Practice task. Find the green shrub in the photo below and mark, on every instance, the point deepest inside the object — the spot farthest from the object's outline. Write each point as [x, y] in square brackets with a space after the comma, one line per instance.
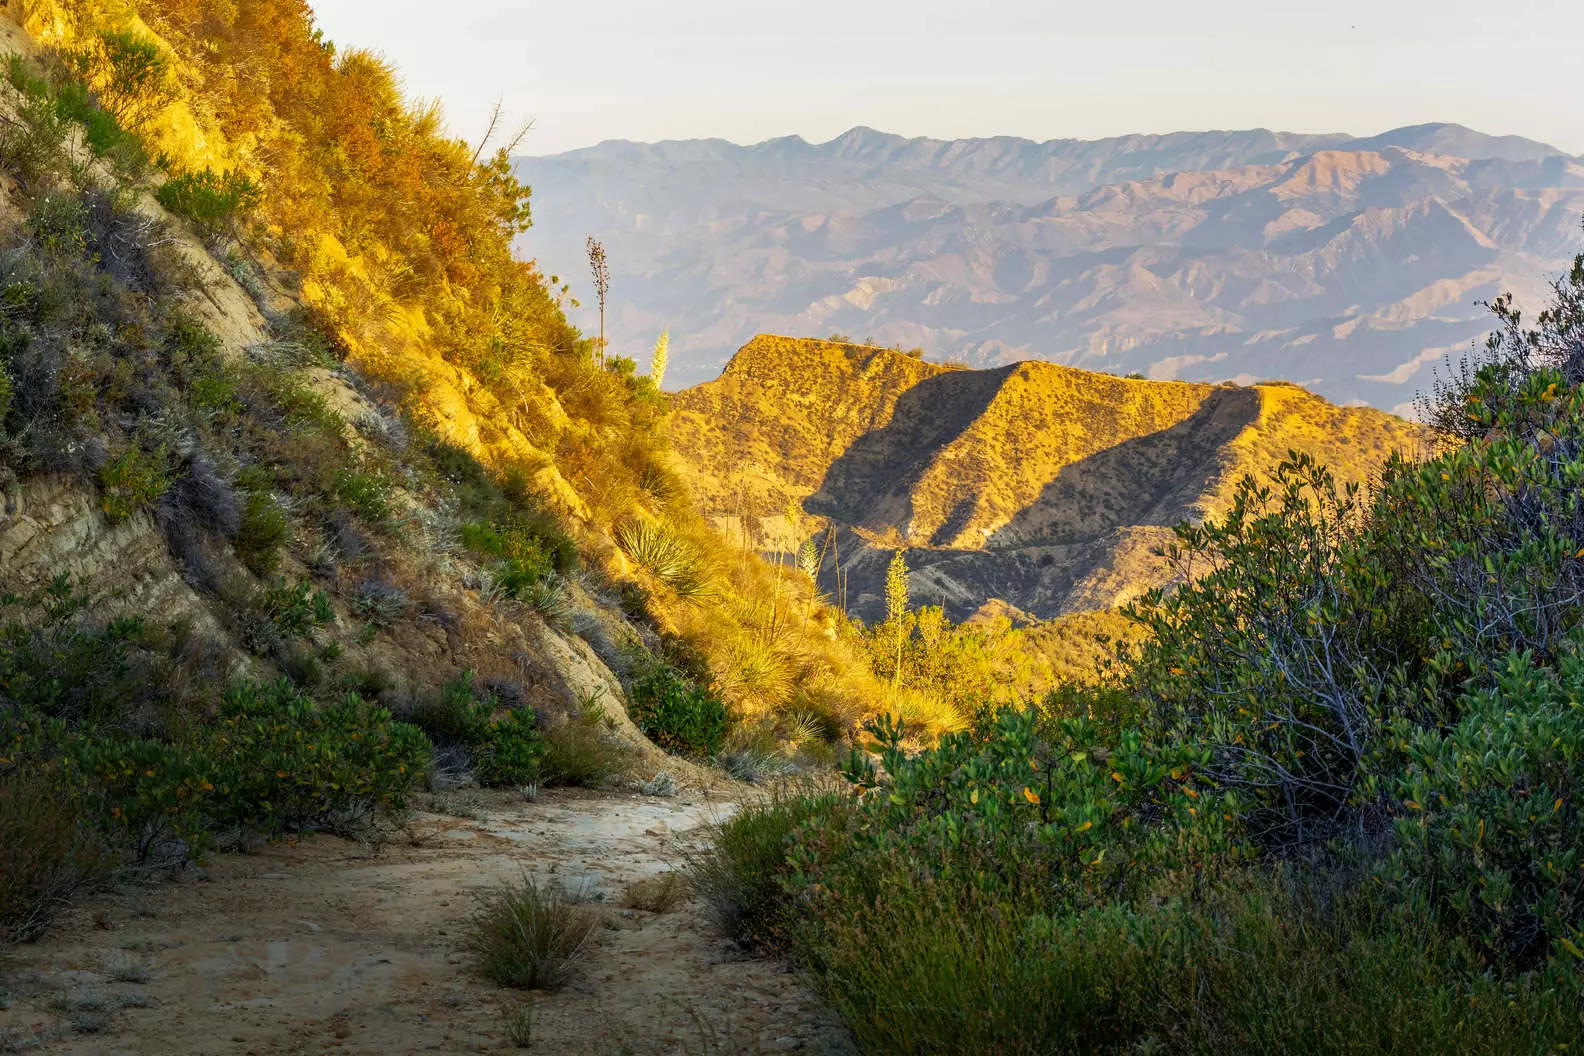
[296, 610]
[507, 751]
[530, 937]
[55, 663]
[261, 533]
[366, 493]
[59, 223]
[7, 391]
[742, 872]
[523, 561]
[66, 99]
[211, 200]
[282, 764]
[457, 716]
[136, 80]
[580, 752]
[131, 480]
[101, 130]
[272, 762]
[1494, 825]
[678, 715]
[513, 753]
[933, 966]
[46, 851]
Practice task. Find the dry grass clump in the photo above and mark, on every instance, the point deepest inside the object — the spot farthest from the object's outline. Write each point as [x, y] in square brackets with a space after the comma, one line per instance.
[660, 893]
[518, 1023]
[44, 855]
[530, 937]
[581, 752]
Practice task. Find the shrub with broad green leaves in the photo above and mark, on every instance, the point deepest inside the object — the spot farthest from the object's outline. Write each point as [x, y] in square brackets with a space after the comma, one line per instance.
[504, 751]
[1492, 826]
[677, 714]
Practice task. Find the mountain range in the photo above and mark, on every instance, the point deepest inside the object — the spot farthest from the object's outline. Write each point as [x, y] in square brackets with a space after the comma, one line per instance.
[1032, 490]
[1350, 265]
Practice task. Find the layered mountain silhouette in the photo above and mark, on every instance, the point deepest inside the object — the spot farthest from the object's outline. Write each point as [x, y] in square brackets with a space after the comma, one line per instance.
[1352, 266]
[1031, 485]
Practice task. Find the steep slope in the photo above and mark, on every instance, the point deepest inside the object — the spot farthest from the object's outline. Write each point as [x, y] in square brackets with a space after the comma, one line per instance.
[1352, 266]
[380, 247]
[1036, 484]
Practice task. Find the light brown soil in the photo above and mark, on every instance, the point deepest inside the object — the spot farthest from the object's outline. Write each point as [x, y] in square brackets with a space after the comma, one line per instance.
[323, 946]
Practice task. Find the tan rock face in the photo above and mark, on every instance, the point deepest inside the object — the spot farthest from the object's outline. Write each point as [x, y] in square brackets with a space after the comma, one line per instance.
[1039, 485]
[48, 527]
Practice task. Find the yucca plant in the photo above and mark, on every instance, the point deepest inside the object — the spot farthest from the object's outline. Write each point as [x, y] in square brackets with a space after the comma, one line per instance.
[661, 551]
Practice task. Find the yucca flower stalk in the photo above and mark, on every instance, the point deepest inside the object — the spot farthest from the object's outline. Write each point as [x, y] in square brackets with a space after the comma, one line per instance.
[662, 353]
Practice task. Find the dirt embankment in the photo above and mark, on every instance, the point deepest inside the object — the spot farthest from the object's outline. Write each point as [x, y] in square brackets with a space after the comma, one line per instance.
[322, 946]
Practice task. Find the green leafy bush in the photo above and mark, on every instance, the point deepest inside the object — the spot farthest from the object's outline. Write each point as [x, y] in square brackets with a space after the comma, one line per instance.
[281, 764]
[1493, 830]
[523, 560]
[260, 534]
[296, 610]
[54, 663]
[132, 479]
[1064, 808]
[457, 715]
[678, 715]
[211, 200]
[505, 751]
[272, 762]
[514, 752]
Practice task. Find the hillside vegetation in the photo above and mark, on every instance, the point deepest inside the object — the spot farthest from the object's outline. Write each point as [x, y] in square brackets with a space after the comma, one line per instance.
[1040, 485]
[313, 500]
[1329, 803]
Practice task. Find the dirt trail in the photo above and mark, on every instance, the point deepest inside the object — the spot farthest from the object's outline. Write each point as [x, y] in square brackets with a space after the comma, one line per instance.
[322, 947]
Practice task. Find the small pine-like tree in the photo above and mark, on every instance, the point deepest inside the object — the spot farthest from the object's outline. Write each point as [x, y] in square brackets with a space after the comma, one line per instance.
[662, 354]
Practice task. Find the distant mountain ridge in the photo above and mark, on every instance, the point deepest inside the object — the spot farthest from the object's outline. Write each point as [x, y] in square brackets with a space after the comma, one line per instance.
[1034, 485]
[1349, 264]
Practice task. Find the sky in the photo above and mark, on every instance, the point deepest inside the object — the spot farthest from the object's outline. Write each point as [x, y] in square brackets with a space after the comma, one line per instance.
[752, 70]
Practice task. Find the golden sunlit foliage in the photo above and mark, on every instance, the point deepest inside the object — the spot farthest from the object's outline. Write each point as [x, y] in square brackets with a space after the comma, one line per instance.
[396, 238]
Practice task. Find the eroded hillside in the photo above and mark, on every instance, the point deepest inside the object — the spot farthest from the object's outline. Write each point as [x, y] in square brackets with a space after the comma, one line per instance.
[1040, 485]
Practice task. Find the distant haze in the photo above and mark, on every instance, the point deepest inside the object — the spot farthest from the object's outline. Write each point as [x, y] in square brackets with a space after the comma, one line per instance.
[650, 70]
[1354, 266]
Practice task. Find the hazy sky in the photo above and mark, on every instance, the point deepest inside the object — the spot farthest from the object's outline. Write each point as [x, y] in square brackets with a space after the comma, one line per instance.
[749, 70]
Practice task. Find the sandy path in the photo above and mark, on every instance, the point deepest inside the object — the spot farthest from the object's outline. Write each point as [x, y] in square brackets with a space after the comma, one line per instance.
[322, 947]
